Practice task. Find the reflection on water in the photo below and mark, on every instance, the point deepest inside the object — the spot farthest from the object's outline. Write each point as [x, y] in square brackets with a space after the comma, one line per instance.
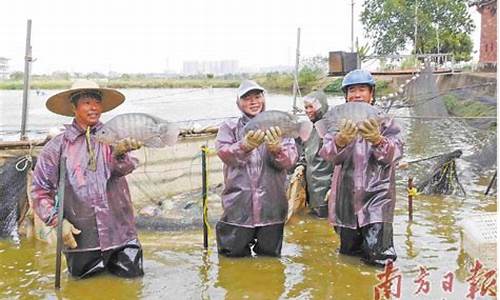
[310, 268]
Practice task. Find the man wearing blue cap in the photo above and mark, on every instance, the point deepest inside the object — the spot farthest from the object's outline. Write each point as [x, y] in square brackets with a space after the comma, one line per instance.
[362, 197]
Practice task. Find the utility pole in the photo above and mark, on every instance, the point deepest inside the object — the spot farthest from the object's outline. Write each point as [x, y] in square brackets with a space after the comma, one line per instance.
[352, 25]
[27, 78]
[296, 74]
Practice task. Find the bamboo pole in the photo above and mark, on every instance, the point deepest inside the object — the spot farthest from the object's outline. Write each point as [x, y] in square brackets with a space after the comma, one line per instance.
[296, 73]
[27, 81]
[60, 216]
[204, 191]
[410, 199]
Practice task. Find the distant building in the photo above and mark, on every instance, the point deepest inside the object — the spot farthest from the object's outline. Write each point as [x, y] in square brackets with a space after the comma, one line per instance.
[277, 68]
[4, 67]
[217, 67]
[488, 46]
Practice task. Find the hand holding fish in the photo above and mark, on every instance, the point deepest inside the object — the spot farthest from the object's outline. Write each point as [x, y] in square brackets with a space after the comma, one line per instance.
[273, 139]
[125, 145]
[346, 134]
[369, 130]
[253, 139]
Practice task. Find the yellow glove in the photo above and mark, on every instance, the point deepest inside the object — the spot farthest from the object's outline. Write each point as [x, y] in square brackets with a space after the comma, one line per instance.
[68, 230]
[370, 131]
[253, 139]
[346, 134]
[126, 145]
[273, 139]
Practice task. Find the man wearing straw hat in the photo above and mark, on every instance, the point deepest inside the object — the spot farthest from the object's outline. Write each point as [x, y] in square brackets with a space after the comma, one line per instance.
[98, 227]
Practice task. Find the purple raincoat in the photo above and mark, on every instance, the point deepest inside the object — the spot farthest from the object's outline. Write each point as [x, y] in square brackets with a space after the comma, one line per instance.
[254, 182]
[98, 203]
[363, 183]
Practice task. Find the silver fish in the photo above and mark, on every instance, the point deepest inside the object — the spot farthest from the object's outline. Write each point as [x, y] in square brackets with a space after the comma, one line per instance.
[354, 111]
[289, 124]
[150, 130]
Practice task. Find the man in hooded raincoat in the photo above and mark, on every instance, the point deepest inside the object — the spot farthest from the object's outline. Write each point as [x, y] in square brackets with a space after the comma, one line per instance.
[318, 170]
[98, 228]
[253, 200]
[362, 198]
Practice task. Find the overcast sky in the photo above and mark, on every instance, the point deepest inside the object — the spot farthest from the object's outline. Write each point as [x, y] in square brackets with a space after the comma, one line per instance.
[152, 36]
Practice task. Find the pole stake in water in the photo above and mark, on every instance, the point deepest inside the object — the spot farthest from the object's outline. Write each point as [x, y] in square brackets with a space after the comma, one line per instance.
[204, 192]
[411, 193]
[60, 216]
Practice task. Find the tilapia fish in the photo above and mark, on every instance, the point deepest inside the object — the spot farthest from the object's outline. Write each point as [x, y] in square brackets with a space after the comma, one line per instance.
[150, 130]
[289, 124]
[354, 111]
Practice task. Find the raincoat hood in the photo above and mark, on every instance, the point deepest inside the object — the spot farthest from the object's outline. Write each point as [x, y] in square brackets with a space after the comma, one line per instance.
[245, 87]
[319, 101]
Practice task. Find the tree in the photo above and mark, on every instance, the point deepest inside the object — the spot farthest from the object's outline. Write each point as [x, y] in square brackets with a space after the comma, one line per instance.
[317, 64]
[311, 70]
[18, 75]
[390, 25]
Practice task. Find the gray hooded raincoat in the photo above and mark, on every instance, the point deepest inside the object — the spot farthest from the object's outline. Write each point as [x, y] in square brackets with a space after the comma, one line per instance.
[254, 182]
[318, 170]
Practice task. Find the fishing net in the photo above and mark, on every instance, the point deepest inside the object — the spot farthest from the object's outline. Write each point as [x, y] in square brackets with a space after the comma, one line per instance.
[486, 157]
[13, 196]
[166, 186]
[460, 96]
[423, 95]
[443, 178]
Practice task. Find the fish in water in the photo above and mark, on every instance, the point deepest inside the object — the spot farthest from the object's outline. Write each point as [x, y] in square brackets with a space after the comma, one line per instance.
[289, 124]
[354, 111]
[150, 130]
[296, 192]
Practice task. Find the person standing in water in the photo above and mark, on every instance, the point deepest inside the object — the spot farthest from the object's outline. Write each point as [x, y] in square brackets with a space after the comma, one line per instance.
[318, 170]
[254, 199]
[99, 226]
[362, 197]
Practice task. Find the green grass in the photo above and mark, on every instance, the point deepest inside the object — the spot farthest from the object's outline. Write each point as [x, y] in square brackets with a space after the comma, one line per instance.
[469, 108]
[274, 81]
[35, 84]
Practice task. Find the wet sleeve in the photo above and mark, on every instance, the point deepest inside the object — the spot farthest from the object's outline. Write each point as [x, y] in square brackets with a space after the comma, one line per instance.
[45, 180]
[229, 149]
[287, 156]
[331, 152]
[390, 149]
[122, 165]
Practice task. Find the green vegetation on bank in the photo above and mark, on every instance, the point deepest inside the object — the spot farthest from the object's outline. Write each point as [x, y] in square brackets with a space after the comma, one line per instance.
[312, 76]
[48, 84]
[275, 81]
[469, 108]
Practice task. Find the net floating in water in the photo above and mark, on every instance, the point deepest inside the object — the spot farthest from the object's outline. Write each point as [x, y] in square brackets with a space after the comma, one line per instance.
[443, 178]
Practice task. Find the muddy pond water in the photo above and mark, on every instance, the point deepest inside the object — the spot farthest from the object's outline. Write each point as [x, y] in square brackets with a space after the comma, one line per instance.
[176, 267]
